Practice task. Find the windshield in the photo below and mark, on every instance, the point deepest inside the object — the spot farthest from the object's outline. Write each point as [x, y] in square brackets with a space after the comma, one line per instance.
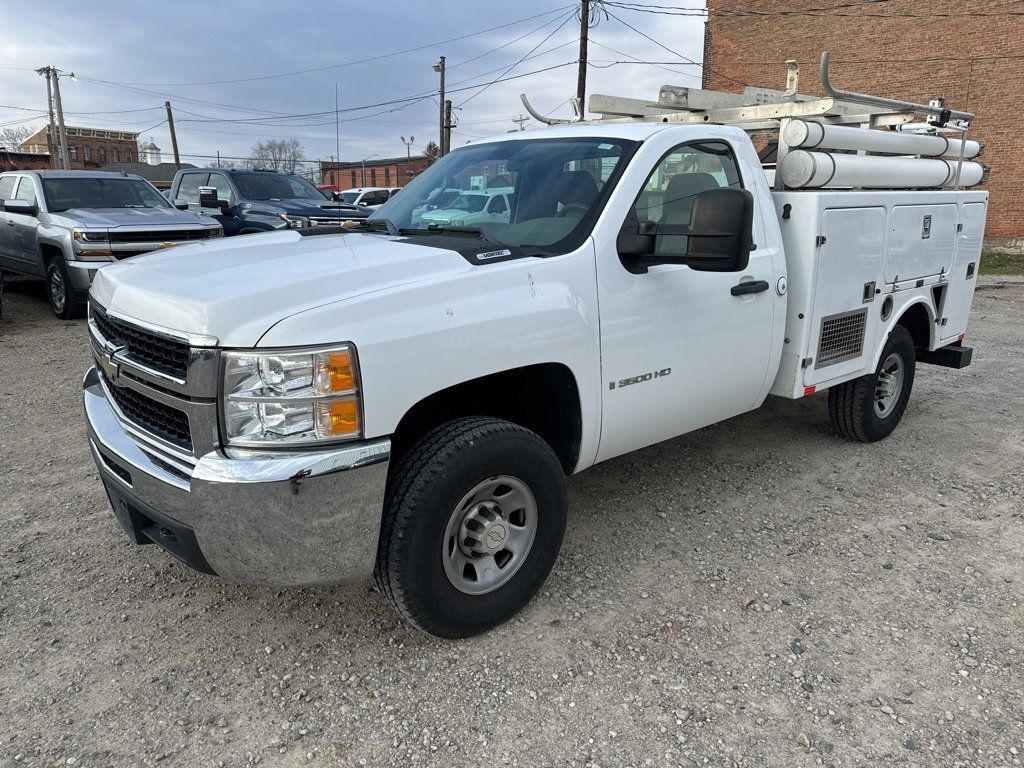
[349, 197]
[555, 188]
[63, 194]
[276, 186]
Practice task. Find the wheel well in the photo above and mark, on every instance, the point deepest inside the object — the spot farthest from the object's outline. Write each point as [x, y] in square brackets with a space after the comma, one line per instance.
[917, 320]
[543, 398]
[49, 252]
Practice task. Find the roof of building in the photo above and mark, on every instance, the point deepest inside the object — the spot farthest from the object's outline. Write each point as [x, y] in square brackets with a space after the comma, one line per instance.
[158, 172]
[344, 165]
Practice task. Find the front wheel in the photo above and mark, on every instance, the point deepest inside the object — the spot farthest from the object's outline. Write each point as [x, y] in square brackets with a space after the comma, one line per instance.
[869, 408]
[473, 521]
[60, 292]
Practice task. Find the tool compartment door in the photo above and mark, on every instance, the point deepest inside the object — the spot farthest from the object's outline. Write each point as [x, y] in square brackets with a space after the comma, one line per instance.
[849, 266]
[956, 301]
[921, 241]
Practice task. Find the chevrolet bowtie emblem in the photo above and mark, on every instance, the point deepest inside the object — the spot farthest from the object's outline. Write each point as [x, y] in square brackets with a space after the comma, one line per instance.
[111, 368]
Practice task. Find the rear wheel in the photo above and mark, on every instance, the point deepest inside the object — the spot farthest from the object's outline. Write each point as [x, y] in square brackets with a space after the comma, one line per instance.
[60, 292]
[474, 517]
[869, 408]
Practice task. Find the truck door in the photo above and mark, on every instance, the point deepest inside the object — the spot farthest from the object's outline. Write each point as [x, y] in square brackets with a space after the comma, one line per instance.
[23, 228]
[7, 184]
[679, 351]
[229, 221]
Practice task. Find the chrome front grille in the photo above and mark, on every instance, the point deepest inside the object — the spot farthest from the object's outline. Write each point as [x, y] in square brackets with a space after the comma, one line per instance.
[159, 236]
[163, 384]
[151, 349]
[164, 421]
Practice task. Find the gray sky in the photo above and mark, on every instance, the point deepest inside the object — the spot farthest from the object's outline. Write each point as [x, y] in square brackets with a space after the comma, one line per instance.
[134, 56]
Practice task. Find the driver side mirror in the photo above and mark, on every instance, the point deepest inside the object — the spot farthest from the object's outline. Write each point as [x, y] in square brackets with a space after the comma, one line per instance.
[719, 237]
[180, 205]
[24, 207]
[208, 199]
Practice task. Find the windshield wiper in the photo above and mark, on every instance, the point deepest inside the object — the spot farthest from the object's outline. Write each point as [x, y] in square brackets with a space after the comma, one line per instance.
[388, 225]
[463, 230]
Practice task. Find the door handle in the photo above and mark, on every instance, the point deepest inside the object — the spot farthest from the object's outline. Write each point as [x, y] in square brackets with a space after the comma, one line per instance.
[751, 286]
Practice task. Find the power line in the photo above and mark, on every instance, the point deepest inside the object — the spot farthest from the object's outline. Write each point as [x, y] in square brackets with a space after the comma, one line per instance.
[520, 61]
[674, 53]
[343, 64]
[657, 64]
[839, 10]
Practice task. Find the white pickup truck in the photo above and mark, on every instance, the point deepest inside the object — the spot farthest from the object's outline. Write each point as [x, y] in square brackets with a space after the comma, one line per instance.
[310, 407]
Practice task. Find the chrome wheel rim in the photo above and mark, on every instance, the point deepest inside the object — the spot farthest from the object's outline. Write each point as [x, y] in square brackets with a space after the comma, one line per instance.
[489, 535]
[889, 385]
[57, 290]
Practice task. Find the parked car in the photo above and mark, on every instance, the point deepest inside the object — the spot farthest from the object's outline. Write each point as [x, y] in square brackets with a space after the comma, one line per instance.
[367, 197]
[248, 201]
[472, 207]
[65, 225]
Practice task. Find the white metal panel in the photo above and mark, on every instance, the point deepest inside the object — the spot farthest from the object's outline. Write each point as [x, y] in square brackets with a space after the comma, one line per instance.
[722, 350]
[956, 302]
[848, 260]
[921, 242]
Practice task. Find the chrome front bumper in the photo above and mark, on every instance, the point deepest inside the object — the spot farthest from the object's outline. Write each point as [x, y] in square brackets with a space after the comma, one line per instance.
[280, 519]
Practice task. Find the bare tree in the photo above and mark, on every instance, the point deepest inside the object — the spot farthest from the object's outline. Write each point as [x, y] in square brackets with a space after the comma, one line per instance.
[432, 152]
[222, 164]
[277, 155]
[12, 138]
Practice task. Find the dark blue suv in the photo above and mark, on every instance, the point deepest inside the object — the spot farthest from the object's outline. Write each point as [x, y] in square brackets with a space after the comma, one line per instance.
[246, 201]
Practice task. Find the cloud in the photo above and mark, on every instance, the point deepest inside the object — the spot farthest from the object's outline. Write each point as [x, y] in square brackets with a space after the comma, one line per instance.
[135, 56]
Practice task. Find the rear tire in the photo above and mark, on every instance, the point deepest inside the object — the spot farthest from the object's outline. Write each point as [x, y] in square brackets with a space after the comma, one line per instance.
[868, 409]
[59, 291]
[473, 520]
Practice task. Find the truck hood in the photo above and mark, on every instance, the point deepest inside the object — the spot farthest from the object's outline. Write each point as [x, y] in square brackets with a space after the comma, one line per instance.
[111, 218]
[236, 289]
[313, 208]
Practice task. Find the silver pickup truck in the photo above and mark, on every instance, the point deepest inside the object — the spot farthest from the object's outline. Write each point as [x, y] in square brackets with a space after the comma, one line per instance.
[64, 225]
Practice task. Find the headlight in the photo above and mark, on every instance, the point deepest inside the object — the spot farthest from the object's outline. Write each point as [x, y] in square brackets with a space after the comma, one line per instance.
[216, 232]
[288, 398]
[295, 222]
[91, 236]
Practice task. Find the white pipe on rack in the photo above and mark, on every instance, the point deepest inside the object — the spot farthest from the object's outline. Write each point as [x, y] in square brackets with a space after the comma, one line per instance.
[801, 169]
[806, 134]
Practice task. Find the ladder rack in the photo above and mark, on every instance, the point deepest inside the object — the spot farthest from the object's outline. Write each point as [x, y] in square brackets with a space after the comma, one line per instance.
[761, 110]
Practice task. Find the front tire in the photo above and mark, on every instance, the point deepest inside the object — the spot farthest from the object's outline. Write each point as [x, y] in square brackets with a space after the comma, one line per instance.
[868, 409]
[473, 521]
[60, 292]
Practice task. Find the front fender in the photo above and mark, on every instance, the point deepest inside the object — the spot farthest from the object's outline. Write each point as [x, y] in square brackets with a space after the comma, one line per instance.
[417, 339]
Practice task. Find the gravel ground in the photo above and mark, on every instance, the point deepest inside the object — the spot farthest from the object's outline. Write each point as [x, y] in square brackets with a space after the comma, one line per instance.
[758, 593]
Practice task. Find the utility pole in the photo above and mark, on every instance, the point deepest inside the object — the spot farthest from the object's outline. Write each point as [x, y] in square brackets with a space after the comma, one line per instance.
[439, 67]
[581, 77]
[520, 121]
[408, 157]
[55, 159]
[337, 141]
[446, 147]
[55, 76]
[174, 136]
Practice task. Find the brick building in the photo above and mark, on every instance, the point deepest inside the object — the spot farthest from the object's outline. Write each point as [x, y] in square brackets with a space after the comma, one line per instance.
[379, 172]
[23, 161]
[89, 147]
[902, 49]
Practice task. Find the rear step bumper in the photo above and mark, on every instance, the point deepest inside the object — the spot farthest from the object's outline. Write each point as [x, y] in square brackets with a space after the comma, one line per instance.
[954, 355]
